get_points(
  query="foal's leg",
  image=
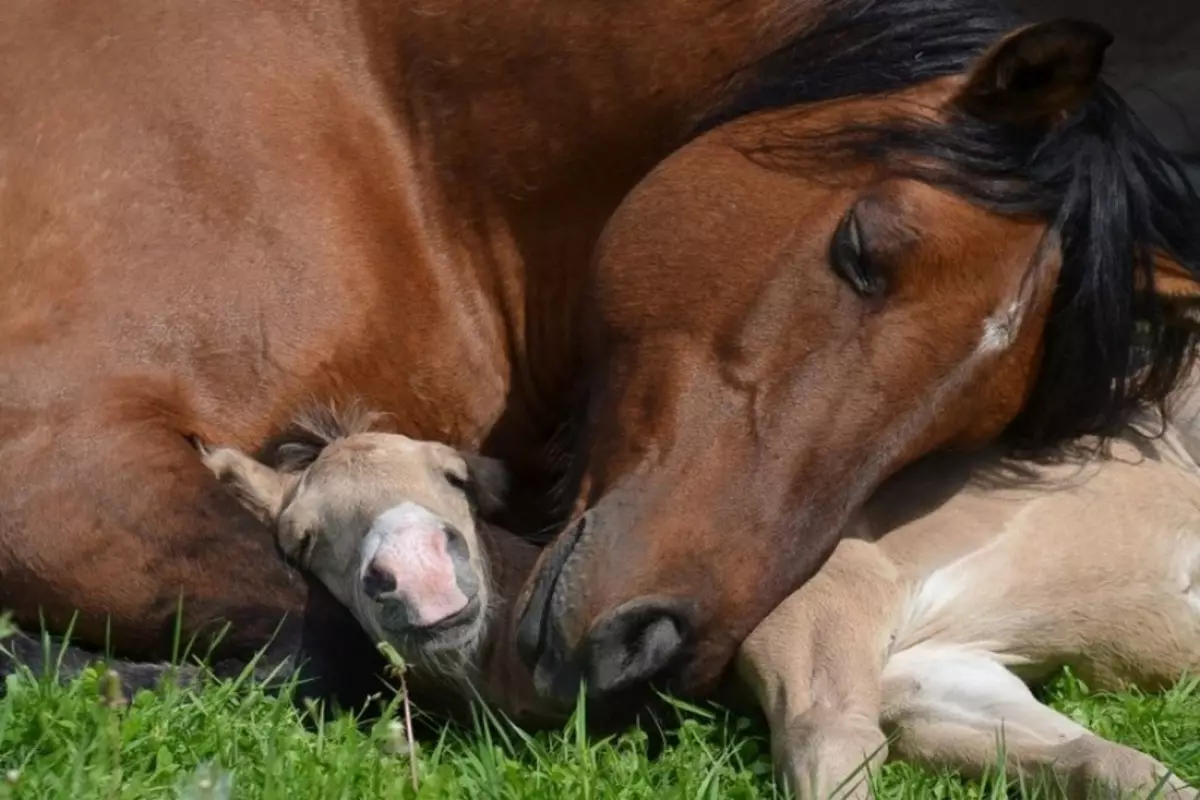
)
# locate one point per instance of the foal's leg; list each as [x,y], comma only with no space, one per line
[118,519]
[950,706]
[815,665]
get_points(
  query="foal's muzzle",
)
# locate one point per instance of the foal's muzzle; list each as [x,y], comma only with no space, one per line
[418,570]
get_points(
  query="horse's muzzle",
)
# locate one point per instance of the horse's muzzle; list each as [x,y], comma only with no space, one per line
[625,646]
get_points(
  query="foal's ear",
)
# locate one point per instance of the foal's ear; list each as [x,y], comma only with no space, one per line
[1037,75]
[257,487]
[488,481]
[1178,290]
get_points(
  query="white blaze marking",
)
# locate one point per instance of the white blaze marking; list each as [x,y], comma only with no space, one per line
[1000,329]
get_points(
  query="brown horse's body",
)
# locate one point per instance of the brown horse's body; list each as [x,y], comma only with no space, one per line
[213,214]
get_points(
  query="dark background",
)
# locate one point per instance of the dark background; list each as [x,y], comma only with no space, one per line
[1154,62]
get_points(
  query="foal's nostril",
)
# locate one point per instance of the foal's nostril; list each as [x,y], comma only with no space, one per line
[377,583]
[635,643]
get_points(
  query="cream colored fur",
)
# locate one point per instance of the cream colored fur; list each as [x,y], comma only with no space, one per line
[951,595]
[322,508]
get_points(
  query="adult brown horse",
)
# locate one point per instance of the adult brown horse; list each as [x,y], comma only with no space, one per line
[215,212]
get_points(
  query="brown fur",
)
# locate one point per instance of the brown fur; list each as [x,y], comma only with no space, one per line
[213,212]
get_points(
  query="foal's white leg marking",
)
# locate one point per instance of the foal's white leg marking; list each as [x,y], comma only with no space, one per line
[968,687]
[955,707]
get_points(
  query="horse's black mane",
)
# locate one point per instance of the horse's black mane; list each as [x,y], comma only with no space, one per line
[1101,180]
[866,47]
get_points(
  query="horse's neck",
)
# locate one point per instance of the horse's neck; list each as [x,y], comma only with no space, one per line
[527,123]
[529,94]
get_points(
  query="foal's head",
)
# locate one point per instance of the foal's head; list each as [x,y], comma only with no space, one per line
[804,299]
[387,523]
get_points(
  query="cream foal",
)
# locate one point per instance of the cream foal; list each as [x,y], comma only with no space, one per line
[956,589]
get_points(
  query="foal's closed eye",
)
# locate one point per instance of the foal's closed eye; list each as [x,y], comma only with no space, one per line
[462,482]
[297,543]
[459,481]
[849,257]
[483,480]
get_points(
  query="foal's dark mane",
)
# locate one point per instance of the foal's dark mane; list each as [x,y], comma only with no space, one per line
[1101,180]
[314,428]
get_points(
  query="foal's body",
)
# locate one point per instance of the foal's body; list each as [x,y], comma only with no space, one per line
[928,620]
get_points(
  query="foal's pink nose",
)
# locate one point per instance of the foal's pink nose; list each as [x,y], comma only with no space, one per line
[417,567]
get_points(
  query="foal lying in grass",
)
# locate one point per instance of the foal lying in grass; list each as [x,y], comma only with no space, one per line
[924,624]
[393,527]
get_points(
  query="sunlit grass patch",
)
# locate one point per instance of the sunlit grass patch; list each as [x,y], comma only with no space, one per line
[232,739]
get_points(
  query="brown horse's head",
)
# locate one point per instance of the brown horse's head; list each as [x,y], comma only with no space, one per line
[804,299]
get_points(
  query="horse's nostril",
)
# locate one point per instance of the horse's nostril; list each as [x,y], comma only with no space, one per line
[635,643]
[377,583]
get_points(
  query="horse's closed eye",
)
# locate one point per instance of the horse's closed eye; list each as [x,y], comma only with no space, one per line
[849,258]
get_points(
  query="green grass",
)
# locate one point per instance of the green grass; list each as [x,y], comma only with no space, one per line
[233,740]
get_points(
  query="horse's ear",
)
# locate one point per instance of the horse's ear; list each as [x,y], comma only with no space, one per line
[488,482]
[1179,292]
[1037,75]
[258,487]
